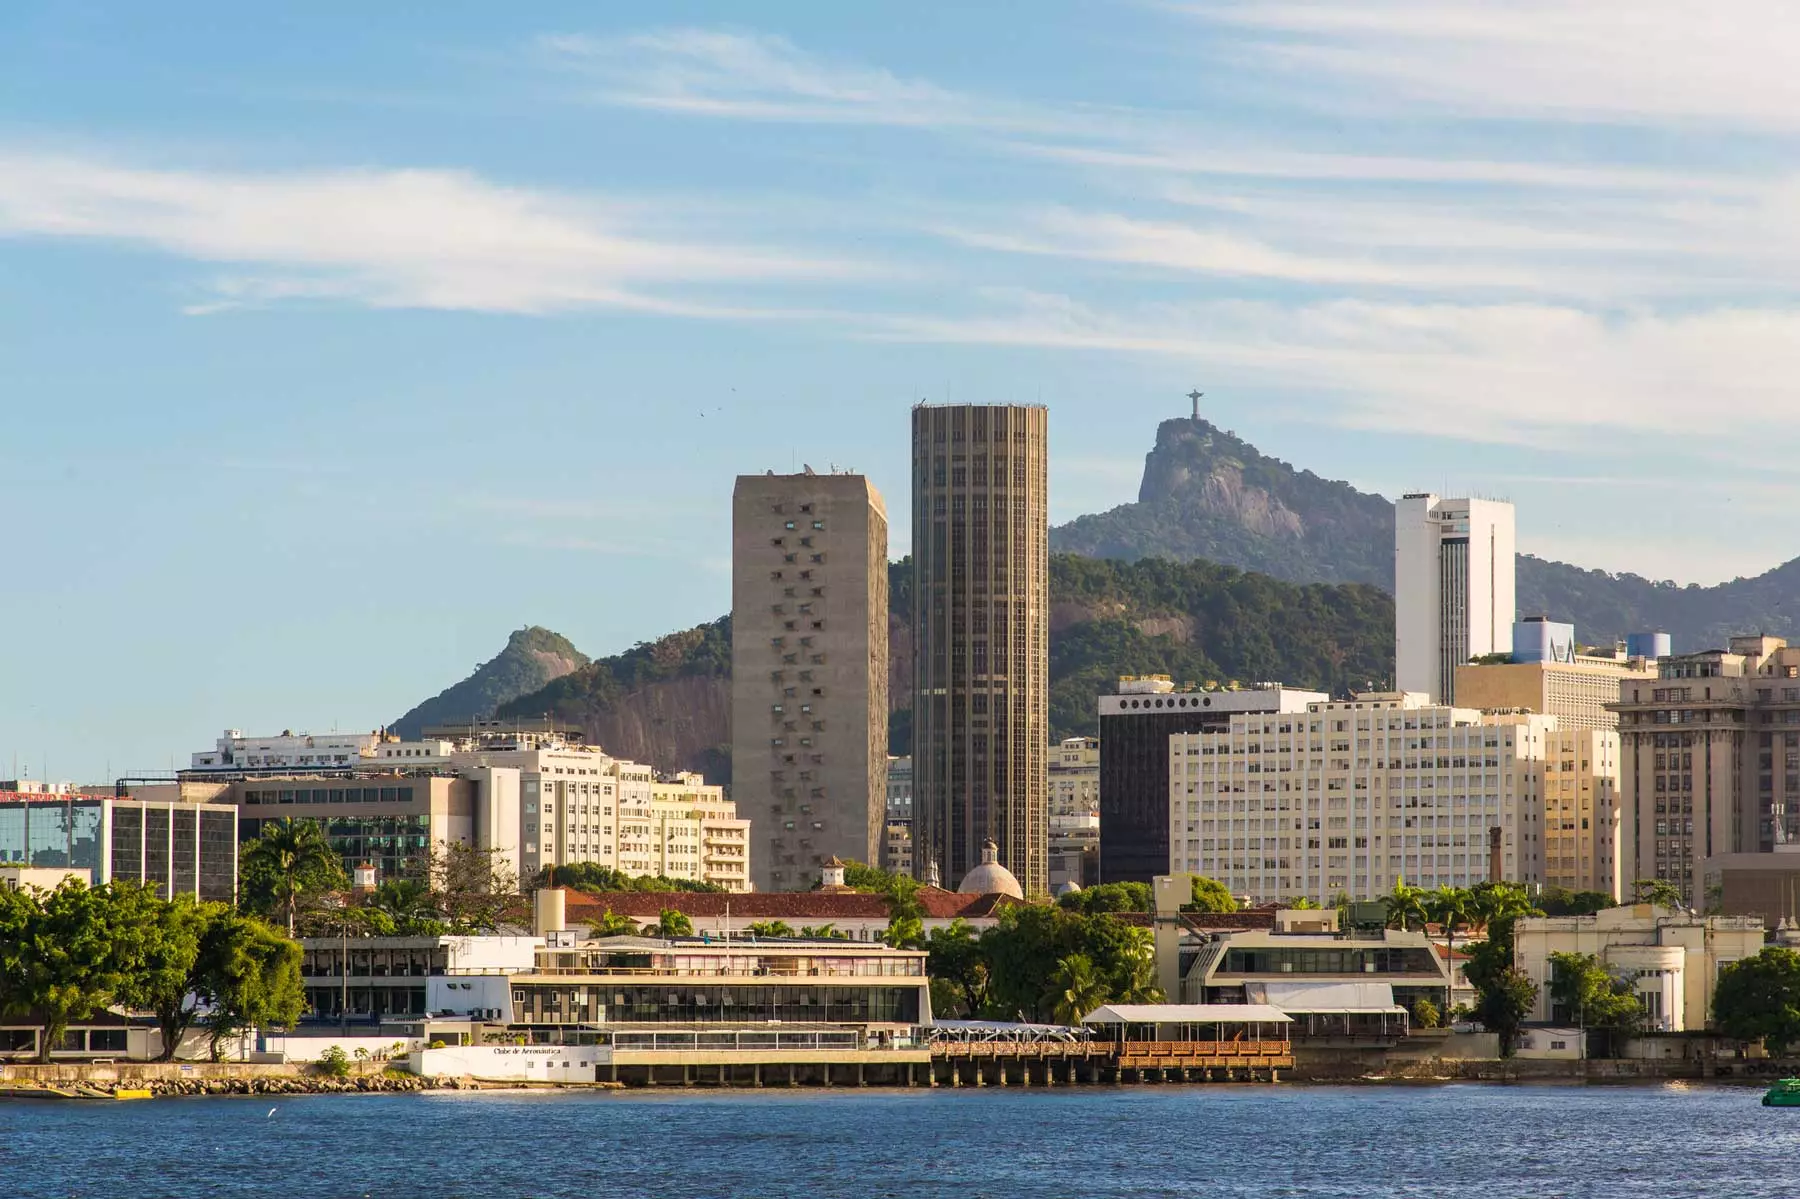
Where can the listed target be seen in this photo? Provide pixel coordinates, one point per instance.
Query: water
(1368, 1143)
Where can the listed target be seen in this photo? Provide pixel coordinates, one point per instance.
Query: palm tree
(1405, 905)
(295, 856)
(1079, 989)
(1449, 906)
(1492, 903)
(403, 899)
(770, 928)
(674, 924)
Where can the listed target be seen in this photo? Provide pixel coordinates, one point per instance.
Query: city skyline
(280, 307)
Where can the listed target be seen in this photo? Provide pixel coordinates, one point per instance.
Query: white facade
(290, 751)
(1351, 796)
(1453, 588)
(1074, 788)
(1138, 696)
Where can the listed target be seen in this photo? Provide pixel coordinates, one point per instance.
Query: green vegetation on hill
(533, 656)
(703, 651)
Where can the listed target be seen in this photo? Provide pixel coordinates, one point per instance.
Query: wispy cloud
(395, 238)
(1626, 61)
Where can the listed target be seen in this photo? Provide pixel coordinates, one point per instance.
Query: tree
(1079, 989)
(474, 888)
(19, 910)
(612, 924)
(1301, 903)
(1557, 901)
(958, 970)
(1499, 903)
(1209, 895)
(769, 928)
(1591, 996)
(1425, 1013)
(287, 867)
(1108, 897)
(1758, 999)
(1503, 1006)
(78, 956)
(249, 975)
(166, 980)
(1449, 907)
(1659, 891)
(1405, 906)
(827, 931)
(905, 932)
(1022, 951)
(900, 890)
(672, 923)
(409, 906)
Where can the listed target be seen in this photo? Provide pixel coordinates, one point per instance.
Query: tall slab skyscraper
(980, 629)
(1453, 588)
(809, 672)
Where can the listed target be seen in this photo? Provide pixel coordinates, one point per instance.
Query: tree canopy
(1758, 999)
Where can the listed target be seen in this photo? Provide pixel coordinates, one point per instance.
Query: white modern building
(234, 753)
(1350, 796)
(1453, 588)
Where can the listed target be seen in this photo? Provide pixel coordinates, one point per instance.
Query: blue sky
(335, 344)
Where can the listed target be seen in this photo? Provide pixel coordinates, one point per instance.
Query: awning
(1326, 999)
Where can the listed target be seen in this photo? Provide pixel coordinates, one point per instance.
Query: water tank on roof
(1648, 645)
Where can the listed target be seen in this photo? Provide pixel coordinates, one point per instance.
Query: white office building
(1453, 588)
(1350, 796)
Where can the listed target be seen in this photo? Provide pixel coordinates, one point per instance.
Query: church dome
(990, 878)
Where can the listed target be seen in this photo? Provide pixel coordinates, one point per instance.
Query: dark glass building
(179, 848)
(1135, 727)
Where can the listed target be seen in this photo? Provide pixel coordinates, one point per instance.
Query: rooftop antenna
(1195, 397)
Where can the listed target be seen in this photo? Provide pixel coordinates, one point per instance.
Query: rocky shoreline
(305, 1084)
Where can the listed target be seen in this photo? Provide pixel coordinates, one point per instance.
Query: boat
(1785, 1093)
(132, 1093)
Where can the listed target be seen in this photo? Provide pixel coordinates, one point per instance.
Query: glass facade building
(178, 848)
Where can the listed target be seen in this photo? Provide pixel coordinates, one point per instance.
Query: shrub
(1425, 1013)
(334, 1062)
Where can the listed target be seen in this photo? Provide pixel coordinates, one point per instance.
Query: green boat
(1785, 1093)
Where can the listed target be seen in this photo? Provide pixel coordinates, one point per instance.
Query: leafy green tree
(1108, 897)
(19, 912)
(595, 879)
(1079, 989)
(79, 954)
(672, 923)
(1503, 1006)
(1659, 891)
(1758, 999)
(1022, 951)
(288, 867)
(612, 924)
(769, 928)
(409, 906)
(1405, 906)
(955, 960)
(1591, 996)
(249, 976)
(334, 1062)
(167, 980)
(1301, 903)
(1209, 895)
(827, 931)
(905, 932)
(1425, 1013)
(1558, 901)
(900, 890)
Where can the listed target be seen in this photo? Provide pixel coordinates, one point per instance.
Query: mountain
(532, 658)
(667, 702)
(1207, 493)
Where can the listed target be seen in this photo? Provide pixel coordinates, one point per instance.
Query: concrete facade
(1577, 692)
(1350, 796)
(1673, 957)
(1453, 589)
(981, 628)
(1710, 761)
(809, 669)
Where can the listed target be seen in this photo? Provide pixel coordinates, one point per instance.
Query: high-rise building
(1135, 726)
(1349, 797)
(809, 671)
(1547, 673)
(1074, 813)
(981, 600)
(1710, 761)
(1453, 589)
(1584, 832)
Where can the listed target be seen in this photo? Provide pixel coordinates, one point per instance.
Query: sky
(337, 340)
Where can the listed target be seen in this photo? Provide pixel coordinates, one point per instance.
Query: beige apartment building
(1710, 761)
(809, 671)
(1577, 692)
(981, 613)
(1351, 796)
(1583, 829)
